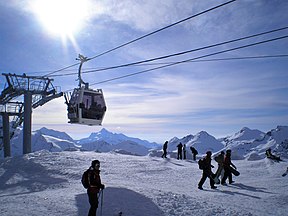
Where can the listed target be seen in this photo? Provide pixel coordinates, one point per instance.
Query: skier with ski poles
(95, 185)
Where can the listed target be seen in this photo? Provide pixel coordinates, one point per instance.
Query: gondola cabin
(86, 106)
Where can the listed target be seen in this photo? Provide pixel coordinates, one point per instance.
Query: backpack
(217, 159)
(201, 164)
(84, 179)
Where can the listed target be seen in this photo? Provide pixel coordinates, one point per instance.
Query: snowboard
(216, 180)
(234, 171)
(284, 174)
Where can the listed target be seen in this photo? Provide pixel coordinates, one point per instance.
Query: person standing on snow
(220, 160)
(164, 155)
(95, 186)
(207, 171)
(227, 170)
(194, 152)
(179, 153)
(184, 151)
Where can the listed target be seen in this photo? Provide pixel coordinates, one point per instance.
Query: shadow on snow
(117, 200)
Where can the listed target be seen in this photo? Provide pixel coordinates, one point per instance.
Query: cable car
(85, 106)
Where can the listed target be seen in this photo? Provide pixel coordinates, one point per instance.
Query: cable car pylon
(85, 106)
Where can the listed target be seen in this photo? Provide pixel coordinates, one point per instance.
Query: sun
(61, 17)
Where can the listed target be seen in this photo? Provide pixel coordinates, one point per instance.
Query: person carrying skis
(207, 172)
(164, 155)
(194, 152)
(94, 187)
(220, 160)
(179, 153)
(227, 170)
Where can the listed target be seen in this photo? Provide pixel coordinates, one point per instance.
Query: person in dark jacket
(164, 155)
(95, 186)
(220, 160)
(194, 152)
(179, 154)
(184, 151)
(227, 170)
(207, 171)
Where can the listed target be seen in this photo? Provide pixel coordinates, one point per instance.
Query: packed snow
(48, 183)
(138, 181)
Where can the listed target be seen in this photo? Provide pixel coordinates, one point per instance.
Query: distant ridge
(247, 143)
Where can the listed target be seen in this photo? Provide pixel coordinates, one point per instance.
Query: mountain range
(249, 144)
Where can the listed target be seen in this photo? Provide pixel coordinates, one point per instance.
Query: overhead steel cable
(146, 35)
(164, 63)
(191, 59)
(161, 29)
(177, 54)
(224, 59)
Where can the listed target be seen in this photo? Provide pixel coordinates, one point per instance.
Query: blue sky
(219, 97)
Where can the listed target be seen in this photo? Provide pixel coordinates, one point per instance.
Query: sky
(39, 37)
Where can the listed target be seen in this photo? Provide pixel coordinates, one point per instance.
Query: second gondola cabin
(86, 106)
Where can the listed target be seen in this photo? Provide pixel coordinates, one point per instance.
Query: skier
(164, 155)
(95, 186)
(219, 159)
(227, 170)
(179, 154)
(271, 156)
(207, 172)
(184, 151)
(194, 152)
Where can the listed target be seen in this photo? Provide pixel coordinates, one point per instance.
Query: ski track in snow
(44, 183)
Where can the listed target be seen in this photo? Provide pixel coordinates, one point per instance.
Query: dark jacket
(207, 164)
(227, 162)
(94, 179)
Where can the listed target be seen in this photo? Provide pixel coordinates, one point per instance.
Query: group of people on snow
(224, 169)
(181, 151)
(224, 164)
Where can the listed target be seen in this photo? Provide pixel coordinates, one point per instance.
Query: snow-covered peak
(246, 134)
(54, 133)
(114, 139)
(203, 142)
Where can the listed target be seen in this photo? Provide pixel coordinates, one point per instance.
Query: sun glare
(61, 17)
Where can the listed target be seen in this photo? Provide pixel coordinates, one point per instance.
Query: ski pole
(101, 206)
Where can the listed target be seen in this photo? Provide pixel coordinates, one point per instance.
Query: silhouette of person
(194, 152)
(164, 155)
(184, 151)
(95, 186)
(179, 154)
(207, 171)
(227, 170)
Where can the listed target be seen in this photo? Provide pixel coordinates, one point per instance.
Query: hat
(228, 151)
(95, 162)
(209, 153)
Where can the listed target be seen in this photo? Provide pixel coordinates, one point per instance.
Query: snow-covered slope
(202, 141)
(254, 148)
(245, 134)
(56, 134)
(115, 138)
(45, 183)
(246, 143)
(40, 141)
